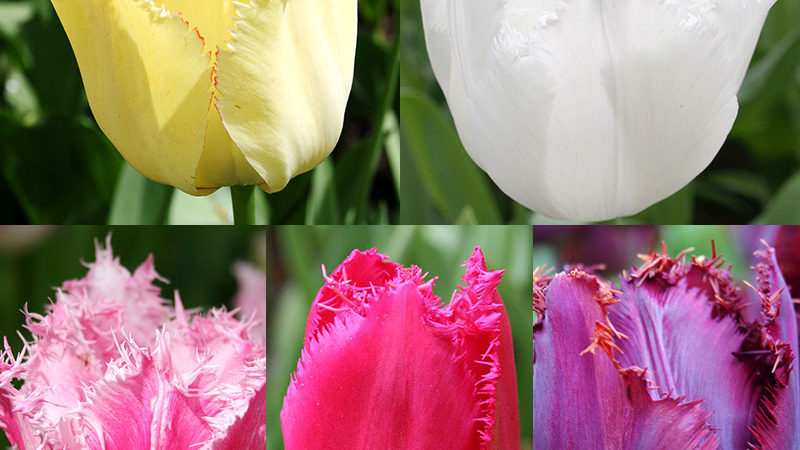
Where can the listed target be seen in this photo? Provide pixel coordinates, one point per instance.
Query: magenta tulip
(688, 358)
(385, 365)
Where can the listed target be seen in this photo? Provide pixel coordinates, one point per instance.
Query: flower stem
(244, 206)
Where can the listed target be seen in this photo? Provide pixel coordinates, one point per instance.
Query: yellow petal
(212, 18)
(283, 82)
(148, 82)
(222, 164)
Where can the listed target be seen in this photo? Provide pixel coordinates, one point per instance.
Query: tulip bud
(201, 94)
(681, 356)
(384, 365)
(592, 110)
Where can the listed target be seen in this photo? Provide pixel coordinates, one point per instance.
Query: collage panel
(399, 337)
(542, 112)
(175, 112)
(666, 337)
(132, 337)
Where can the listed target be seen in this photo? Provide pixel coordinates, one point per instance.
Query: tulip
(385, 366)
(591, 110)
(688, 358)
(785, 239)
(203, 94)
(749, 237)
(113, 365)
(251, 299)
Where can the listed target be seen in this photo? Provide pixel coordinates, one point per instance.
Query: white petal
(592, 110)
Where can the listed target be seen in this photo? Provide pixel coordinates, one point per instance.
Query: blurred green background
(197, 261)
(294, 275)
(755, 178)
(57, 167)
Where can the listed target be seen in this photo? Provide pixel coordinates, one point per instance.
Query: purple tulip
(689, 358)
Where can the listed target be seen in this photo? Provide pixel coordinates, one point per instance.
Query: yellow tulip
(200, 94)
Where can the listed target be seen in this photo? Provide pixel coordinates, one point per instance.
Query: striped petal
(586, 399)
(684, 324)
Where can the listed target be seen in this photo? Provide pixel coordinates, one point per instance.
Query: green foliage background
(197, 261)
(755, 178)
(294, 275)
(57, 167)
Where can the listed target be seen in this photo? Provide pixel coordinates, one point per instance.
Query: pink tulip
(251, 297)
(113, 366)
(385, 365)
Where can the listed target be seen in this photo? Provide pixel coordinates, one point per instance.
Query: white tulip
(592, 109)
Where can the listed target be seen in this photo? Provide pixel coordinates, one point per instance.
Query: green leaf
(22, 97)
(54, 71)
(392, 142)
(766, 79)
(356, 169)
(288, 320)
(138, 201)
(71, 185)
(322, 205)
(287, 206)
(741, 183)
(244, 205)
(784, 207)
(675, 209)
(214, 209)
(415, 69)
(263, 211)
(431, 148)
(13, 15)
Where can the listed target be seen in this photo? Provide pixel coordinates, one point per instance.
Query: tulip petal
(592, 110)
(584, 400)
(361, 273)
(479, 302)
(283, 83)
(16, 411)
(222, 163)
(12, 424)
(250, 298)
(148, 82)
(144, 411)
(249, 432)
(777, 422)
(213, 20)
(683, 325)
(448, 382)
(341, 397)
